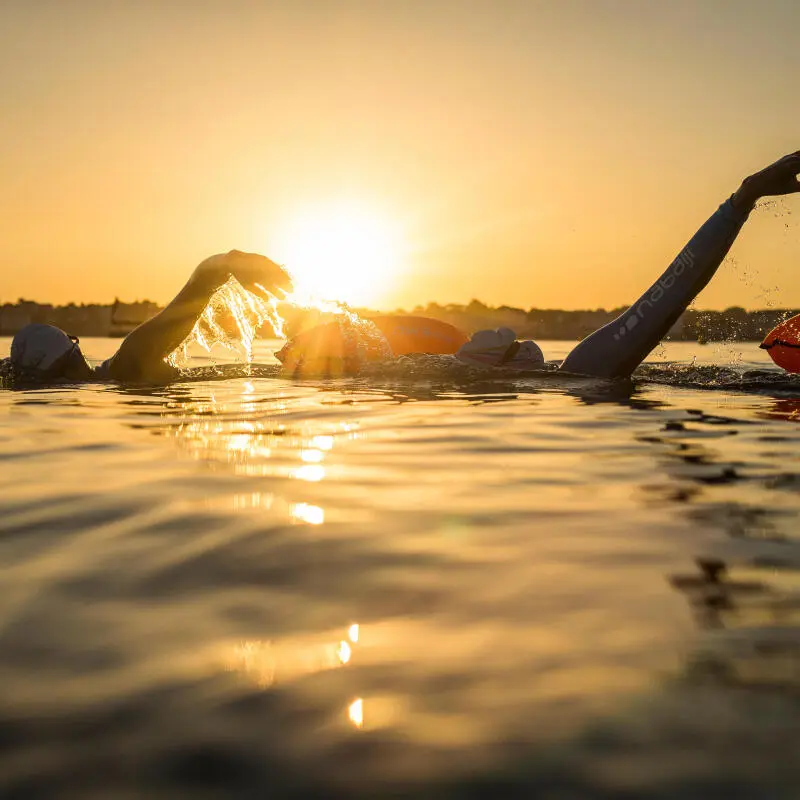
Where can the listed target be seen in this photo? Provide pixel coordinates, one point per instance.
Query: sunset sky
(549, 154)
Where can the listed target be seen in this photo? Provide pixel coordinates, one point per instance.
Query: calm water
(451, 586)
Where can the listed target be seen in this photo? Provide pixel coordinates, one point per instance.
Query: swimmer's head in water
(500, 348)
(49, 352)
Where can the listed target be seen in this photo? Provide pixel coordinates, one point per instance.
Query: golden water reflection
(355, 712)
(268, 661)
(227, 425)
(313, 473)
(323, 442)
(304, 512)
(344, 652)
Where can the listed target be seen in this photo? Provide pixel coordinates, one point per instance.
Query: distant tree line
(732, 324)
(117, 319)
(93, 319)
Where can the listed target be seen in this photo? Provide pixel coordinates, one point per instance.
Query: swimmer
(613, 351)
(45, 352)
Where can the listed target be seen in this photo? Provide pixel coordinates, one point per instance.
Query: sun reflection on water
(313, 473)
(235, 430)
(268, 661)
(344, 652)
(303, 512)
(355, 712)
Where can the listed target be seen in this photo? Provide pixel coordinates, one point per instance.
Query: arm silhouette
(617, 348)
(142, 353)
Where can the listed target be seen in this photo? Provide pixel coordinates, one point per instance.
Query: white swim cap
(499, 348)
(529, 351)
(489, 342)
(40, 347)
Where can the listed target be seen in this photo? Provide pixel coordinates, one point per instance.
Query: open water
(416, 583)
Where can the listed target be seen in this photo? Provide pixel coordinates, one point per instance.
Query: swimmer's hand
(256, 273)
(777, 179)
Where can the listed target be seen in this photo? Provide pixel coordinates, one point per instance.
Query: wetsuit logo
(683, 262)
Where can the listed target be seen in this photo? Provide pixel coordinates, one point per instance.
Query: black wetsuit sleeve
(616, 349)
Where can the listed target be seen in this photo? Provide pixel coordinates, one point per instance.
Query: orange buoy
(342, 346)
(783, 344)
(409, 334)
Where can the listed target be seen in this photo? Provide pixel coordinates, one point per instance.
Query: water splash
(313, 346)
(231, 319)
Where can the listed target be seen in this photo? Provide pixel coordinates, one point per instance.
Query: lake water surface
(408, 583)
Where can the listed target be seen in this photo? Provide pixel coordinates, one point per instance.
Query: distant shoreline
(117, 319)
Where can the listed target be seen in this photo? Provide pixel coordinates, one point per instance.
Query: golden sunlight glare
(341, 252)
(355, 711)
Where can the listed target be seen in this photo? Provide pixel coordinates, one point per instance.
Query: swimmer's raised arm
(142, 353)
(616, 349)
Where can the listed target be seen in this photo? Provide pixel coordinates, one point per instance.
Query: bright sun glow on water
(341, 252)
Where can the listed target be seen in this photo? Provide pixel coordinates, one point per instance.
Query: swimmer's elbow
(597, 358)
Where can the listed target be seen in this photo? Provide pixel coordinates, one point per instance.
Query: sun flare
(341, 253)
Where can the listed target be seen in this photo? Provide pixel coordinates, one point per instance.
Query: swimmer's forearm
(616, 349)
(175, 322)
(145, 348)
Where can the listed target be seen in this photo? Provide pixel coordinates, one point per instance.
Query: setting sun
(340, 252)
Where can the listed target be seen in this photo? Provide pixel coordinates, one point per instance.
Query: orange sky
(550, 154)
